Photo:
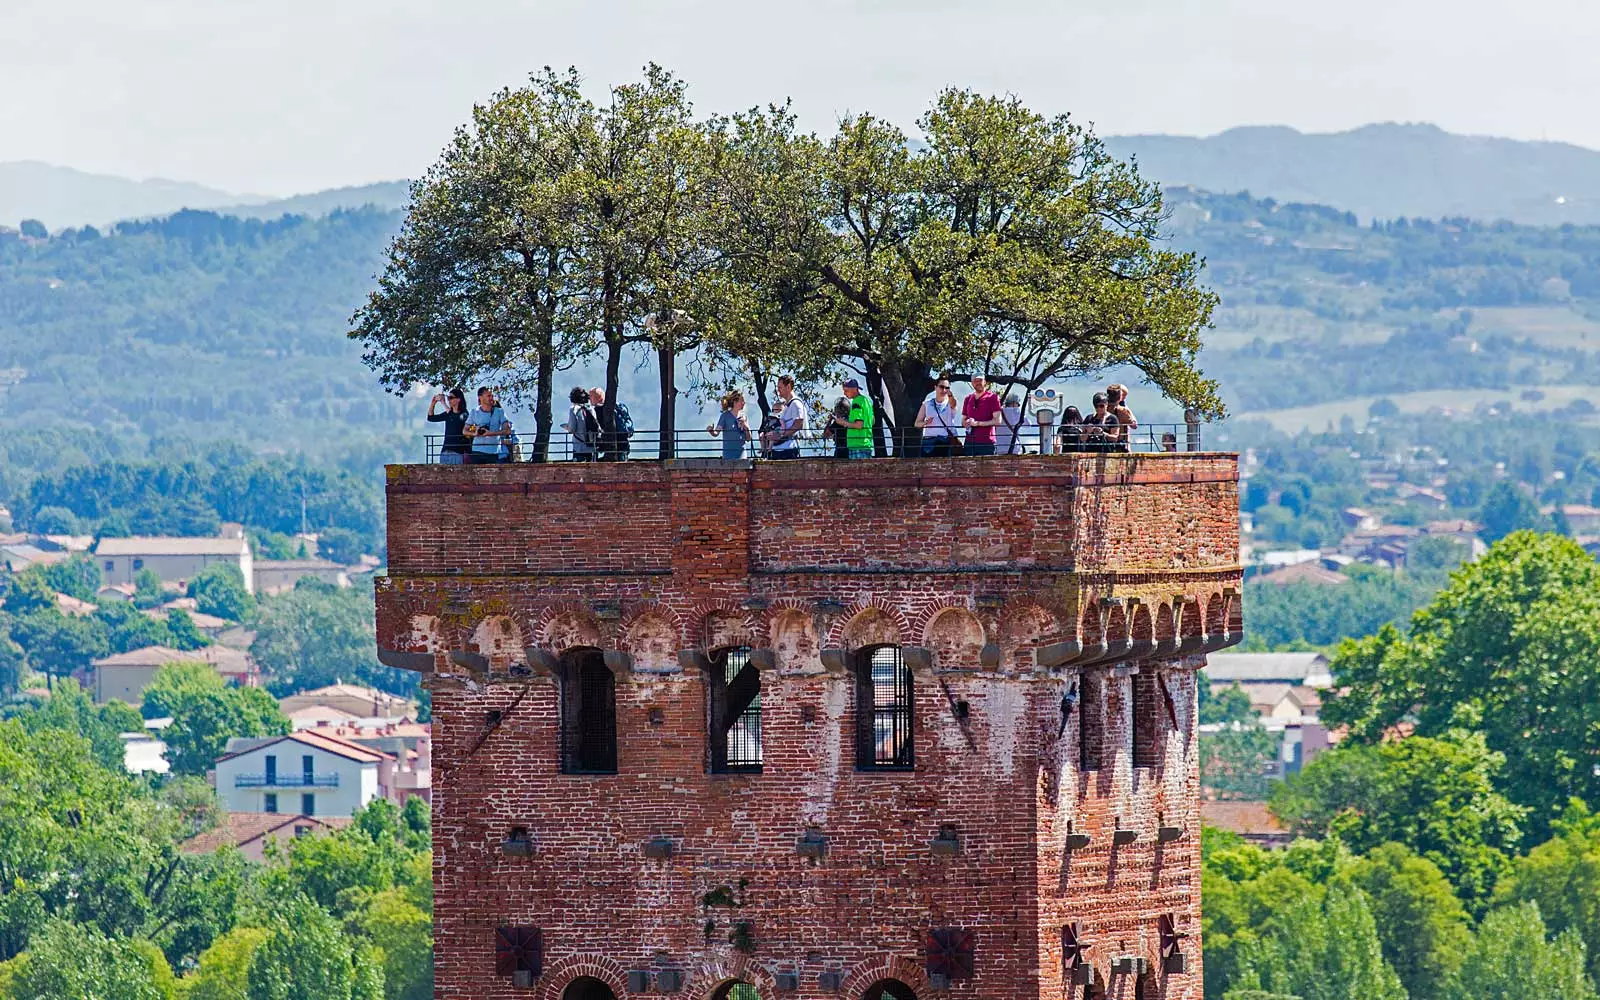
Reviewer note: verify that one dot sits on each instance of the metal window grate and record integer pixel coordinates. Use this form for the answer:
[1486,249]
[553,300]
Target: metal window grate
[735,712]
[884,711]
[1092,721]
[589,716]
[1146,718]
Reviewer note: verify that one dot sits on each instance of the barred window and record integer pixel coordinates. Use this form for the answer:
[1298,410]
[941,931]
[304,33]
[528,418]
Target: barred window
[1147,718]
[735,715]
[884,711]
[588,715]
[1091,720]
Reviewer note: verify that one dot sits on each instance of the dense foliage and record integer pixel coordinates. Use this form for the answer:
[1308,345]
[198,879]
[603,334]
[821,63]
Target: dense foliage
[98,902]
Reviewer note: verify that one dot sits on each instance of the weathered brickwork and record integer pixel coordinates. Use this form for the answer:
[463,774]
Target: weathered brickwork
[1003,580]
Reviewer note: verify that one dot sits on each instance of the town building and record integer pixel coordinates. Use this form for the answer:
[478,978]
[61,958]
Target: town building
[124,676]
[872,729]
[172,559]
[251,832]
[305,773]
[274,576]
[1299,669]
[353,699]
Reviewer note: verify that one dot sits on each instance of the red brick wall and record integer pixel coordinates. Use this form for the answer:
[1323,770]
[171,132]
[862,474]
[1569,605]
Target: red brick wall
[952,555]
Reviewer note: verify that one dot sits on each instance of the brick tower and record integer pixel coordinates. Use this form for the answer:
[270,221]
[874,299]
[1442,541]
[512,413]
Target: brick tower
[815,729]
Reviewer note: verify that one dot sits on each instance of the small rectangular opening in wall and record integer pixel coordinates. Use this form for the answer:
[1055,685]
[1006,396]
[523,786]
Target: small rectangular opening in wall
[1147,718]
[588,715]
[735,688]
[1092,720]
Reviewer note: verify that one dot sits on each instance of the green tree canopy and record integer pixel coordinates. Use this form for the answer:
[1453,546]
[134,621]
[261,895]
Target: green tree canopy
[1436,796]
[206,714]
[1562,876]
[73,960]
[1512,648]
[1424,929]
[219,590]
[1511,958]
[306,955]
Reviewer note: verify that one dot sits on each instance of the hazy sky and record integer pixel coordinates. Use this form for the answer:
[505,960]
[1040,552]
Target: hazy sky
[283,96]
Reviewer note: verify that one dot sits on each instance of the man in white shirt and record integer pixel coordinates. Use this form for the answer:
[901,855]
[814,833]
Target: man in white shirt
[791,421]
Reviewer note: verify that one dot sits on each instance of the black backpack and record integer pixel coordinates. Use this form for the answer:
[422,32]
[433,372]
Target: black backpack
[623,420]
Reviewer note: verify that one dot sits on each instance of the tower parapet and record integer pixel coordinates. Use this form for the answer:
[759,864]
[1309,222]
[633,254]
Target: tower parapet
[857,729]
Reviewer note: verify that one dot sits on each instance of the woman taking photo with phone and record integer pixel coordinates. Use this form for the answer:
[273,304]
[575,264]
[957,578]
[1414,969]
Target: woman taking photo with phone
[455,448]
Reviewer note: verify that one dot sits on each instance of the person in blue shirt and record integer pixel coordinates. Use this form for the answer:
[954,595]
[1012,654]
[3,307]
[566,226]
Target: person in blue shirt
[488,427]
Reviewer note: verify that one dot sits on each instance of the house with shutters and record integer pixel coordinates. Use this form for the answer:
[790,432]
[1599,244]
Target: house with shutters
[305,773]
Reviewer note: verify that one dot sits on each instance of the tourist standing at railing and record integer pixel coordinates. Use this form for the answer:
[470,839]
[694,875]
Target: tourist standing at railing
[858,425]
[1117,400]
[1008,433]
[1100,427]
[980,413]
[785,441]
[616,426]
[455,447]
[937,418]
[836,432]
[581,425]
[1070,433]
[731,427]
[487,427]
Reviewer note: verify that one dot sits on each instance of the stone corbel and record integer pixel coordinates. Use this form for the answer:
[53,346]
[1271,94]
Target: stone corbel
[989,655]
[763,659]
[694,660]
[421,663]
[1057,654]
[541,661]
[835,660]
[475,662]
[917,659]
[619,662]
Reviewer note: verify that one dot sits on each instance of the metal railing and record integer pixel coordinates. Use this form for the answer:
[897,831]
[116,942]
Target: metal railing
[645,445]
[330,780]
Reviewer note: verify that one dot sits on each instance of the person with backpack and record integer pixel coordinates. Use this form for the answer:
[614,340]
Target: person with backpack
[582,426]
[616,426]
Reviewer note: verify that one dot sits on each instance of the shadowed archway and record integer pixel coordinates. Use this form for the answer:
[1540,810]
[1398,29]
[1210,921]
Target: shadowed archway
[889,989]
[587,988]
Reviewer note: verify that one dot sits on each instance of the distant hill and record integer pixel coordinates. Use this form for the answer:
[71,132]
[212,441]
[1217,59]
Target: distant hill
[62,196]
[385,195]
[1384,171]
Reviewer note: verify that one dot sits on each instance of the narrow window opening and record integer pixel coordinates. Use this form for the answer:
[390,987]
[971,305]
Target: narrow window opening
[735,714]
[589,715]
[1146,718]
[308,804]
[308,771]
[272,770]
[270,803]
[884,711]
[1092,721]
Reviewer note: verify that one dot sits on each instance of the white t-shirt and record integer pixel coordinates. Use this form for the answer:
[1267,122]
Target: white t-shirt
[1011,416]
[794,413]
[942,419]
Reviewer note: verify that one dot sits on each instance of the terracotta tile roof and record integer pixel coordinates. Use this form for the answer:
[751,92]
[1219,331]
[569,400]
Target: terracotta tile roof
[239,829]
[226,660]
[170,546]
[1306,572]
[1248,819]
[312,738]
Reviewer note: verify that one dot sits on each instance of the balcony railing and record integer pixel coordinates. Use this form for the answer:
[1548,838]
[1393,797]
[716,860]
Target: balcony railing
[286,780]
[1030,439]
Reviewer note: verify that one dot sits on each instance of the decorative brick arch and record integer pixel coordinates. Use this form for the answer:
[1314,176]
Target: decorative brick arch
[499,637]
[1235,613]
[1191,617]
[1216,615]
[652,637]
[873,624]
[793,635]
[718,971]
[426,634]
[564,972]
[1026,624]
[956,637]
[1116,623]
[1166,623]
[870,971]
[722,625]
[1141,629]
[1092,628]
[567,627]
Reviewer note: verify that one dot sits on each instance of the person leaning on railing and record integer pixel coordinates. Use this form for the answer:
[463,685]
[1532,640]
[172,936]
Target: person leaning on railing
[581,425]
[455,447]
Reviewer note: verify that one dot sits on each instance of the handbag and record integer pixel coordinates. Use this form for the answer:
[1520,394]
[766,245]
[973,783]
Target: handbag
[953,444]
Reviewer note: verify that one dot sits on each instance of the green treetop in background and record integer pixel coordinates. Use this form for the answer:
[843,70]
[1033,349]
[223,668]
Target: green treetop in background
[206,713]
[1512,648]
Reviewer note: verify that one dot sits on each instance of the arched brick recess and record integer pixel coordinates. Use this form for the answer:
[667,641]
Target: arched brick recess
[566,629]
[499,638]
[1191,619]
[1116,620]
[710,976]
[561,975]
[1143,630]
[1023,626]
[725,626]
[426,635]
[892,967]
[1092,631]
[872,625]
[956,637]
[1216,615]
[1166,623]
[653,640]
[1235,613]
[793,636]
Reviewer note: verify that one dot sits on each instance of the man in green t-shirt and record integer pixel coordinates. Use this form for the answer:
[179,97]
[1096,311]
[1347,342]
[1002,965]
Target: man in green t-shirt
[858,425]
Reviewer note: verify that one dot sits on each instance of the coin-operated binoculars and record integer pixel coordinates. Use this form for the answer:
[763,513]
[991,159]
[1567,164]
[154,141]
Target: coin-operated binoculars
[1048,402]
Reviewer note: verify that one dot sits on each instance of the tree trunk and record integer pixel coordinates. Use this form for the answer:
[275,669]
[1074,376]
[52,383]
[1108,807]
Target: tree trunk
[666,359]
[758,375]
[542,415]
[881,426]
[907,383]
